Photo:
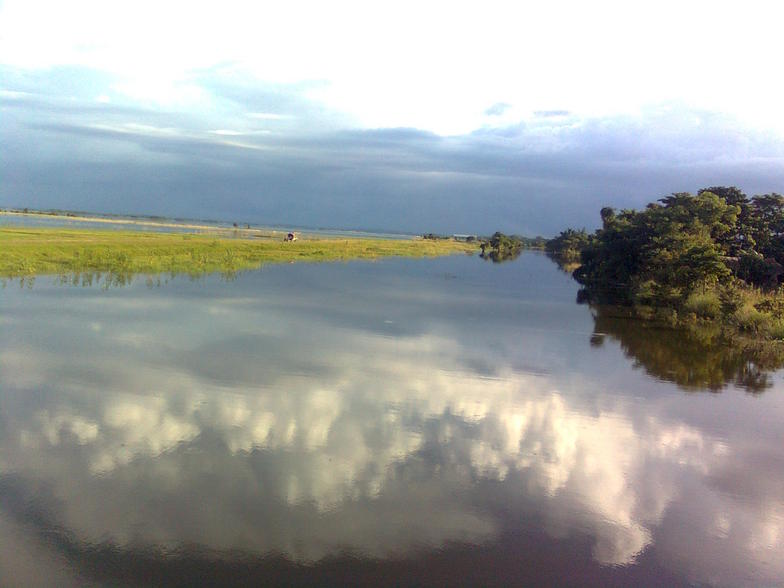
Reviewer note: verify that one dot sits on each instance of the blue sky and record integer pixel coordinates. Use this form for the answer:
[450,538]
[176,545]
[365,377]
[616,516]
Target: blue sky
[408,116]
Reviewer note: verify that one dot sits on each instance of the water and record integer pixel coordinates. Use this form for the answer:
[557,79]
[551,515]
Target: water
[165,225]
[445,421]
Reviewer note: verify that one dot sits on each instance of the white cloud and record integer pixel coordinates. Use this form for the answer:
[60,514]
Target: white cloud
[437,66]
[268,116]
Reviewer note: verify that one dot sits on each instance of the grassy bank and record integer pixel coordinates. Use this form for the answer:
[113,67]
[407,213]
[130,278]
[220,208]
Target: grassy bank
[28,251]
[734,311]
[737,307]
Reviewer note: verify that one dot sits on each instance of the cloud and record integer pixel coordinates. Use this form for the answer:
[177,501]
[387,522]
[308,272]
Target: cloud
[551,113]
[273,153]
[497,109]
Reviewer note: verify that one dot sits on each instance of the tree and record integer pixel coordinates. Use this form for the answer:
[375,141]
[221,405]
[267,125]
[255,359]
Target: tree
[660,254]
[767,220]
[501,247]
[569,244]
[742,237]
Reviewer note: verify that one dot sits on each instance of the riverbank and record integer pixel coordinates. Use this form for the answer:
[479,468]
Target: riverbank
[735,313]
[27,251]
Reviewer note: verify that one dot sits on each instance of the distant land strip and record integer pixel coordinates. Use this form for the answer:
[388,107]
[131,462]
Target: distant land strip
[156,222]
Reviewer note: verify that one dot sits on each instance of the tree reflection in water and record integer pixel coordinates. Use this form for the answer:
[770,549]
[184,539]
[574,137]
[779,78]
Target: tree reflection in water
[695,358]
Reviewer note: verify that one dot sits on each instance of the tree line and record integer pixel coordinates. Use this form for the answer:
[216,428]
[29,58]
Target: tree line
[694,253]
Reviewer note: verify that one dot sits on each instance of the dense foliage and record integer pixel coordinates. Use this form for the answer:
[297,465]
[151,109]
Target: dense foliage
[568,245]
[661,254]
[501,247]
[700,254]
[532,242]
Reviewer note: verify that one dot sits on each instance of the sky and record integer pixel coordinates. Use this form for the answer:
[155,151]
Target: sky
[415,117]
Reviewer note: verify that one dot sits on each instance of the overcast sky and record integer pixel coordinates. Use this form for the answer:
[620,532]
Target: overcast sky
[399,116]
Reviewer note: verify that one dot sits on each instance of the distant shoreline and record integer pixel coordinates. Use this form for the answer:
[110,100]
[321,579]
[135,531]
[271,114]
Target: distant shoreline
[206,225]
[144,223]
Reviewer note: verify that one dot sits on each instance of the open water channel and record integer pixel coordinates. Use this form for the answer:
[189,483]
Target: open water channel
[446,421]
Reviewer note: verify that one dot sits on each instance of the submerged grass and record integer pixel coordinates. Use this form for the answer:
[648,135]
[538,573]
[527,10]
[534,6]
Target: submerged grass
[26,251]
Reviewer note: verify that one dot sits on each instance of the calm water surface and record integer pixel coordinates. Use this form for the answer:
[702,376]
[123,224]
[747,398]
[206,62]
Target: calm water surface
[444,421]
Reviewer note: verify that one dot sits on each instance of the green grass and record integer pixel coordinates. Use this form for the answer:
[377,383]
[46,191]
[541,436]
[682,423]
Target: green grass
[26,251]
[705,305]
[740,311]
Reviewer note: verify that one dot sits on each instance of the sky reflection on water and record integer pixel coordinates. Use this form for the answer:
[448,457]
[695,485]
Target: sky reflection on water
[384,411]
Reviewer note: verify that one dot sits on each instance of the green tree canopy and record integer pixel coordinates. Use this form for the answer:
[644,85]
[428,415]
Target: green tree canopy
[662,253]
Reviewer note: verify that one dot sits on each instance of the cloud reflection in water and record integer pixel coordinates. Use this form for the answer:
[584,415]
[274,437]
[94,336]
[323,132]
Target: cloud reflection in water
[311,434]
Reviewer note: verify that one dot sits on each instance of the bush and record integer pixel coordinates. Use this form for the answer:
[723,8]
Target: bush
[645,293]
[731,299]
[773,306]
[705,306]
[751,320]
[501,247]
[568,245]
[665,315]
[777,330]
[759,271]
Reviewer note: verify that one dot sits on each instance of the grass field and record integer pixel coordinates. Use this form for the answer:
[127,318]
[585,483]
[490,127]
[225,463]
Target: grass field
[26,251]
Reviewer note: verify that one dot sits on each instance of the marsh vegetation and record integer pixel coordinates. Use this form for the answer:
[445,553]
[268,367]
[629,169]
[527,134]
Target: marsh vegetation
[34,251]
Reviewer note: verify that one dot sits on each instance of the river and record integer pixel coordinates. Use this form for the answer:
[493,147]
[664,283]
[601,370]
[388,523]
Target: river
[443,421]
